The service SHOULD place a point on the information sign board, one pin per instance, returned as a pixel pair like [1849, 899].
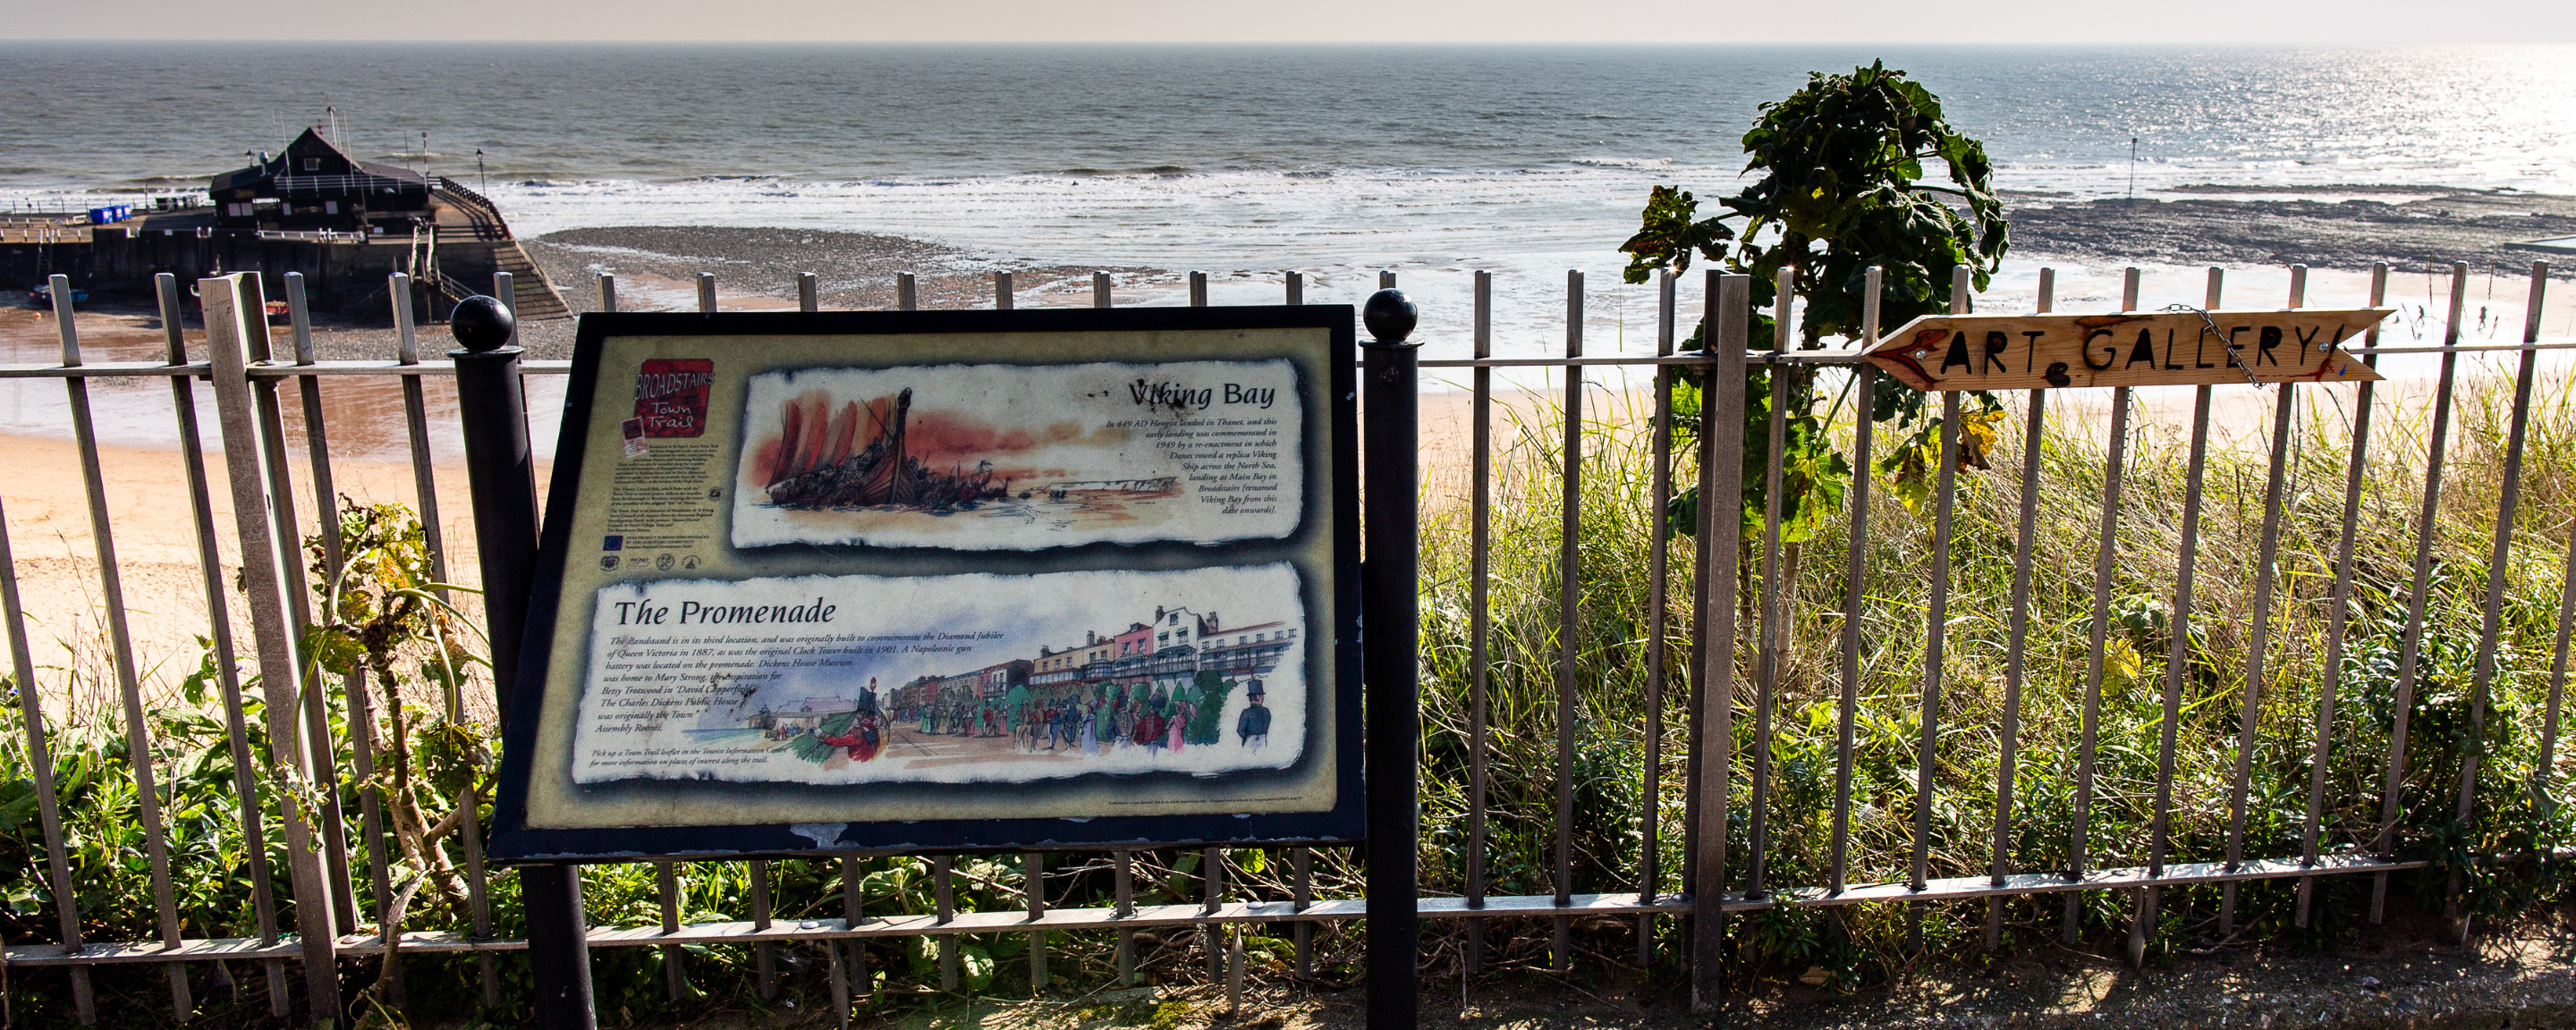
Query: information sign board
[943, 580]
[2138, 348]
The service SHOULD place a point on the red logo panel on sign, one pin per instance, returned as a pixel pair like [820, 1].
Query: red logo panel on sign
[671, 395]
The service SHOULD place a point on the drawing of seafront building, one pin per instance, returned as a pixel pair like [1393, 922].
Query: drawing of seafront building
[1161, 656]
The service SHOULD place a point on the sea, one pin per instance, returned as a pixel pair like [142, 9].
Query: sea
[1338, 160]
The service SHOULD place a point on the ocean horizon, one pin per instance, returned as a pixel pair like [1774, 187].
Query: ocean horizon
[1247, 159]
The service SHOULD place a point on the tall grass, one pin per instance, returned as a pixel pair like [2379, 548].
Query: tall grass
[2508, 850]
[2510, 856]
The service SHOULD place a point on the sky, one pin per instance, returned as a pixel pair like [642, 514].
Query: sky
[1343, 21]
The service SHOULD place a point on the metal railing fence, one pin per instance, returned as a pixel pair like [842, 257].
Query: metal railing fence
[1717, 648]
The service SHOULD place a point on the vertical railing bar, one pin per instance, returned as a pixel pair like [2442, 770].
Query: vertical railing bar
[2177, 656]
[1033, 889]
[2105, 563]
[837, 979]
[236, 323]
[607, 293]
[120, 639]
[1855, 594]
[1301, 896]
[1479, 613]
[809, 294]
[469, 832]
[764, 954]
[2337, 608]
[2412, 649]
[906, 291]
[854, 912]
[371, 823]
[2545, 767]
[2250, 704]
[1936, 631]
[1212, 875]
[2016, 645]
[1233, 968]
[416, 426]
[1650, 816]
[192, 456]
[1722, 529]
[1694, 727]
[326, 522]
[1003, 292]
[1568, 608]
[1124, 884]
[1100, 289]
[505, 288]
[2491, 618]
[434, 536]
[1301, 886]
[1767, 667]
[40, 763]
[1212, 861]
[944, 895]
[361, 715]
[359, 694]
[675, 972]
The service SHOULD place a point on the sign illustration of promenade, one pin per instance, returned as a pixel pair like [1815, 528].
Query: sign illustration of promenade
[946, 679]
[1021, 457]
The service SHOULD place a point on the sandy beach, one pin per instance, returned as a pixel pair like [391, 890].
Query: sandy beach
[47, 515]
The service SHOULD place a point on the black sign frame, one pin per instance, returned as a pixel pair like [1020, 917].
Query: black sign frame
[515, 843]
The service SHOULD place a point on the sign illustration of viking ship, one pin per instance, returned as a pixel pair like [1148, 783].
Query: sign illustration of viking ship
[817, 468]
[1019, 457]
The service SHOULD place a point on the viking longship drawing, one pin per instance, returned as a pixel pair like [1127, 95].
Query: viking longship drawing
[821, 465]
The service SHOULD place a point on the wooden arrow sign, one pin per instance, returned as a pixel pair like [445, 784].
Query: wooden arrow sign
[2160, 348]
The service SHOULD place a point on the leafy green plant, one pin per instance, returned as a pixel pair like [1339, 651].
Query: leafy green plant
[381, 615]
[1844, 186]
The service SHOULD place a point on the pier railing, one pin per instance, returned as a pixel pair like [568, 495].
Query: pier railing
[1789, 712]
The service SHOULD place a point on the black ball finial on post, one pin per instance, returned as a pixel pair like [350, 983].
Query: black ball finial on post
[482, 324]
[1389, 316]
[501, 472]
[1390, 671]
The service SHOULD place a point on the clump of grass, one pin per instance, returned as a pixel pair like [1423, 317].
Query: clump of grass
[2507, 856]
[2506, 852]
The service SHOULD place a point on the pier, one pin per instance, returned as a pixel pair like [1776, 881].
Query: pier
[344, 223]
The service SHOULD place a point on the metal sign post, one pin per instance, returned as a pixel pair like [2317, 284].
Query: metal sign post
[494, 411]
[1390, 635]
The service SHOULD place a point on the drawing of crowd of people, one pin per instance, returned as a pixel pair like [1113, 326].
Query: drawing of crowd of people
[1161, 721]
